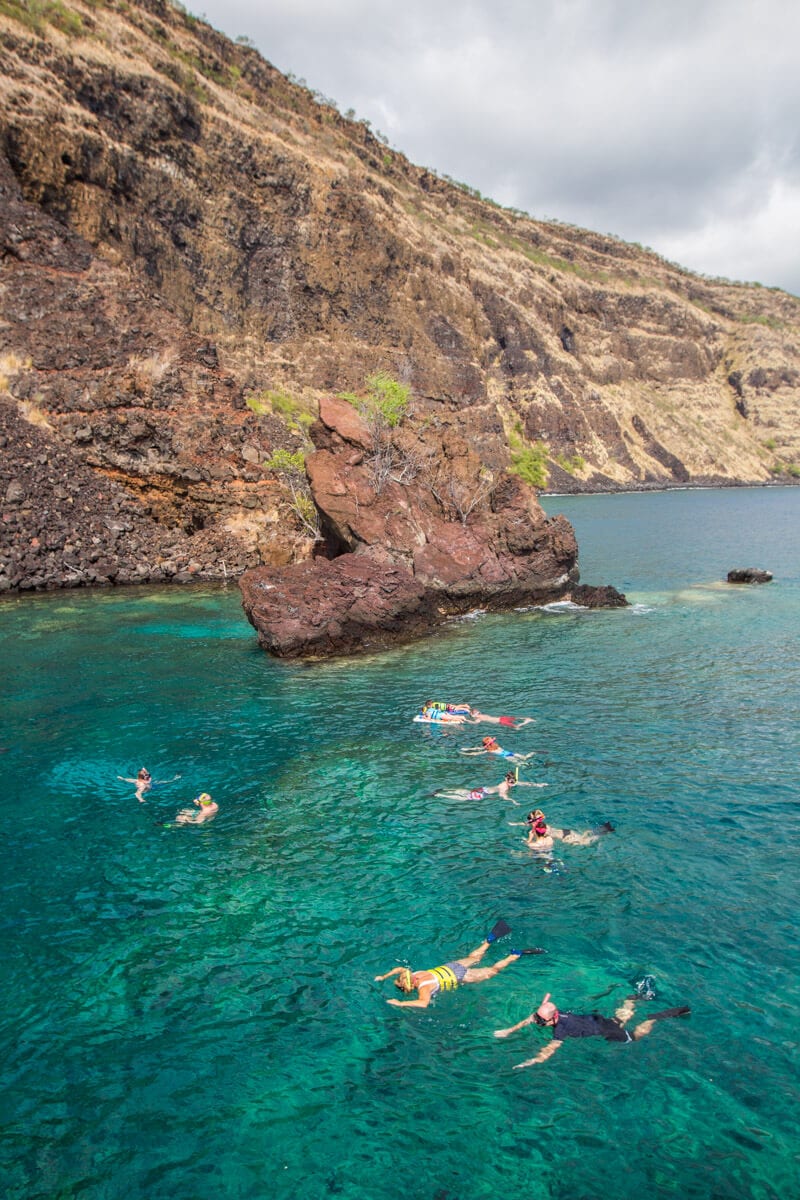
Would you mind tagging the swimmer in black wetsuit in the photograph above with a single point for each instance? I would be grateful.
(580, 1025)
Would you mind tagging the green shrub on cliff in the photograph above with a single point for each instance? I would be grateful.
(528, 461)
(570, 464)
(530, 464)
(385, 403)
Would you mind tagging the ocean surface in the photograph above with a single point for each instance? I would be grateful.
(191, 1012)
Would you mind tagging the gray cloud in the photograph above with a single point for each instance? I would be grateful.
(670, 124)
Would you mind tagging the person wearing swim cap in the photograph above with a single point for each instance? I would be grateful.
(582, 1025)
(451, 975)
(541, 835)
(207, 810)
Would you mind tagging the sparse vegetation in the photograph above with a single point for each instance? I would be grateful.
(35, 14)
(291, 469)
(385, 403)
(282, 405)
(571, 464)
(383, 407)
(528, 461)
(460, 498)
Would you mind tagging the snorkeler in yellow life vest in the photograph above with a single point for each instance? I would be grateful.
(446, 978)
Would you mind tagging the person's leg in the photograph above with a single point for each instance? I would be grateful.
(475, 956)
(625, 1011)
(642, 1030)
(478, 974)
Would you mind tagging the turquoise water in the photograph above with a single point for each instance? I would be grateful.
(191, 1013)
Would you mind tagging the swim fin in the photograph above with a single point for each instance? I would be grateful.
(683, 1011)
(606, 827)
(500, 930)
(531, 950)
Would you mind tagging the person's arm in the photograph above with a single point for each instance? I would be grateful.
(423, 1001)
(502, 1033)
(389, 974)
(545, 1053)
(473, 750)
(127, 779)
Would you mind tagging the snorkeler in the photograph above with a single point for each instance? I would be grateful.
(510, 722)
(489, 745)
(503, 789)
(473, 714)
(207, 810)
(440, 713)
(581, 1025)
(446, 978)
(541, 836)
(144, 782)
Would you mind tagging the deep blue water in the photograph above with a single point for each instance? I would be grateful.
(191, 1013)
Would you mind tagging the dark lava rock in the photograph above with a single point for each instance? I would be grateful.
(749, 575)
(597, 597)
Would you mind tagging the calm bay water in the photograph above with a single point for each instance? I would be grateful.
(191, 1013)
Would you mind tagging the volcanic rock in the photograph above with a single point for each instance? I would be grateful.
(420, 531)
(749, 575)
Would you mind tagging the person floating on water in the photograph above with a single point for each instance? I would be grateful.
(207, 810)
(473, 715)
(446, 978)
(482, 718)
(503, 789)
(144, 782)
(490, 745)
(441, 713)
(581, 1025)
(541, 836)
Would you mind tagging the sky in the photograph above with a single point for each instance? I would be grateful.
(671, 123)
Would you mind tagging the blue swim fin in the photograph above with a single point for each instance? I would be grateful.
(500, 929)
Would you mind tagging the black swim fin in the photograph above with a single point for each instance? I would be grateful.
(500, 930)
(606, 827)
(683, 1011)
(530, 950)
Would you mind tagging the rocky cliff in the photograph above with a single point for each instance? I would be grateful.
(195, 251)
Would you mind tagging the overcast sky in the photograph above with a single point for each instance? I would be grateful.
(673, 123)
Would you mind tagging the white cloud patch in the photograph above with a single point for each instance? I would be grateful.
(674, 125)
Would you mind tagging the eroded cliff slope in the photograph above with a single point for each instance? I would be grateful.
(195, 249)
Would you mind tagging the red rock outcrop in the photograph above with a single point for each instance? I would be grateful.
(421, 532)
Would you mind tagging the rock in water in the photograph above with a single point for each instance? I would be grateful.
(749, 575)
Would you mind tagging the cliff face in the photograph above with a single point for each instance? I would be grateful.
(194, 251)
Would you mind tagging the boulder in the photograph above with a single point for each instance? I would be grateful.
(749, 575)
(415, 530)
(324, 607)
(597, 597)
